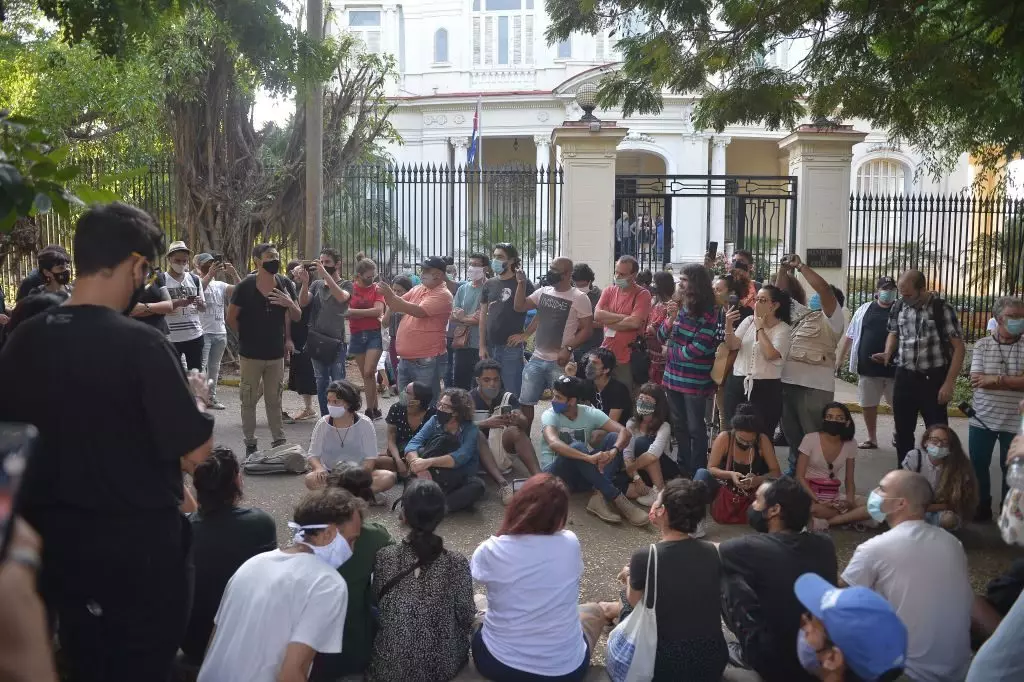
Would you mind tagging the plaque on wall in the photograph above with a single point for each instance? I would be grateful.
(824, 258)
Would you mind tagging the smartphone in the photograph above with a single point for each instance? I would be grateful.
(712, 250)
(517, 484)
(16, 441)
(733, 300)
(506, 410)
(218, 257)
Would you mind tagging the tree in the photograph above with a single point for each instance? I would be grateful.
(945, 76)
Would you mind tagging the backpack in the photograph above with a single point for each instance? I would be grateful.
(938, 316)
(284, 459)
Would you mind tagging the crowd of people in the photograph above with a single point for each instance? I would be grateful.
(665, 394)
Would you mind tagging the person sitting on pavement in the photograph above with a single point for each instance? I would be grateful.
(610, 395)
(565, 320)
(283, 607)
(758, 571)
(360, 619)
(742, 458)
(808, 377)
(405, 418)
(623, 311)
(494, 411)
(446, 451)
(864, 339)
(421, 341)
(565, 452)
(424, 595)
(941, 459)
(848, 635)
(824, 456)
(224, 536)
(997, 377)
(691, 645)
(345, 439)
(922, 571)
(648, 458)
(532, 569)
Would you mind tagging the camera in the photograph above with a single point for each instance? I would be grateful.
(218, 257)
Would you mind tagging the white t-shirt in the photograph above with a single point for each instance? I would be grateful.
(558, 319)
(750, 361)
(213, 317)
(184, 323)
(821, 377)
(352, 444)
(274, 599)
(532, 622)
(658, 446)
(922, 571)
(998, 408)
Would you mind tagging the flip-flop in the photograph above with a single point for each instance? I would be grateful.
(868, 445)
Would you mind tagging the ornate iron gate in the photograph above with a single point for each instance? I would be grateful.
(758, 213)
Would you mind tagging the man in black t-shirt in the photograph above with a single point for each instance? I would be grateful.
(606, 394)
(257, 313)
(489, 414)
(36, 278)
(758, 572)
(501, 327)
(104, 482)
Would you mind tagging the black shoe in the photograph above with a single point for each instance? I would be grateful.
(249, 449)
(286, 418)
(984, 513)
(278, 443)
(374, 414)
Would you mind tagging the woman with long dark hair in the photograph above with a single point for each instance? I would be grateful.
(648, 456)
(532, 569)
(690, 334)
(826, 459)
(664, 290)
(425, 597)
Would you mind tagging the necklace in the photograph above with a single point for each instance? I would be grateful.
(337, 431)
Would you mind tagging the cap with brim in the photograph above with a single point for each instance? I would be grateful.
(886, 282)
(203, 258)
(861, 623)
(435, 262)
(178, 246)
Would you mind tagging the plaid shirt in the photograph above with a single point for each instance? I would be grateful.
(920, 346)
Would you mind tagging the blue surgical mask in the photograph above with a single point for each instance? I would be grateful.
(814, 302)
(887, 296)
(937, 451)
(559, 407)
(806, 653)
(621, 283)
(498, 266)
(875, 506)
(1015, 325)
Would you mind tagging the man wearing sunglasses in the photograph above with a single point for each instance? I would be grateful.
(104, 482)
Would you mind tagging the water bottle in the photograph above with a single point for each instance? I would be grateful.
(1015, 472)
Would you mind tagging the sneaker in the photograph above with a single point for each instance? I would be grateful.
(278, 443)
(286, 418)
(736, 655)
(702, 529)
(632, 513)
(216, 405)
(598, 506)
(250, 448)
(819, 525)
(648, 499)
(505, 493)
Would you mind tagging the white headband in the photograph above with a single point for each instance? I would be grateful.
(300, 531)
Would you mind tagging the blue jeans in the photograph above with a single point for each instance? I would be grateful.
(326, 372)
(1002, 656)
(511, 360)
(423, 370)
(691, 430)
(980, 443)
(214, 346)
(537, 375)
(583, 476)
(710, 481)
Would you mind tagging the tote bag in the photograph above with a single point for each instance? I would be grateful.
(633, 644)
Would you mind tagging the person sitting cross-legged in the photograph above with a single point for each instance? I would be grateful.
(825, 456)
(565, 452)
(494, 412)
(405, 419)
(649, 460)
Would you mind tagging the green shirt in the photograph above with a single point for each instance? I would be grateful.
(357, 643)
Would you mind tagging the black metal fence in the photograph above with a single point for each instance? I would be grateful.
(969, 247)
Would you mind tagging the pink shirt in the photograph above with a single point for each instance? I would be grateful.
(632, 302)
(424, 337)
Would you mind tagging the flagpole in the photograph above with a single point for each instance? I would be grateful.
(480, 158)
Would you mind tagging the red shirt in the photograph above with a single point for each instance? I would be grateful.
(364, 298)
(632, 302)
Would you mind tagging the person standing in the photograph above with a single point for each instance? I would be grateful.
(564, 321)
(623, 235)
(664, 291)
(184, 322)
(623, 311)
(465, 321)
(329, 297)
(864, 339)
(104, 482)
(259, 307)
(742, 269)
(55, 271)
(501, 326)
(997, 377)
(401, 285)
(215, 334)
(925, 332)
(301, 379)
(421, 342)
(52, 253)
(366, 307)
(659, 227)
(690, 335)
(583, 279)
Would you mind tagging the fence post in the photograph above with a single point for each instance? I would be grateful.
(588, 214)
(820, 158)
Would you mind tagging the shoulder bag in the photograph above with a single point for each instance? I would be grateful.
(633, 644)
(730, 503)
(639, 360)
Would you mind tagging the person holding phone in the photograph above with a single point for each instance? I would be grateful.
(185, 323)
(215, 334)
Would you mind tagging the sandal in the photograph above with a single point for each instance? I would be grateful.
(868, 445)
(305, 415)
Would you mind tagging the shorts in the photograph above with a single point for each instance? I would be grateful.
(538, 375)
(870, 391)
(364, 341)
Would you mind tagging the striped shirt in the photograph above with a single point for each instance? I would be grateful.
(690, 344)
(997, 408)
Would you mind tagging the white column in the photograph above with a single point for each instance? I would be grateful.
(460, 192)
(389, 31)
(544, 178)
(716, 230)
(690, 213)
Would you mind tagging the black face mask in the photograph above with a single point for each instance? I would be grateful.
(554, 277)
(757, 520)
(62, 277)
(740, 265)
(135, 297)
(443, 417)
(272, 266)
(833, 428)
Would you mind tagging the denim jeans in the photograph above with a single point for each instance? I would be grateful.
(691, 431)
(214, 346)
(1002, 656)
(980, 443)
(423, 370)
(582, 476)
(326, 372)
(537, 375)
(710, 481)
(511, 360)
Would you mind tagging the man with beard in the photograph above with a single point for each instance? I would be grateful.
(742, 272)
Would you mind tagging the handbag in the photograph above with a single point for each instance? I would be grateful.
(719, 371)
(321, 347)
(633, 644)
(639, 361)
(730, 504)
(460, 337)
(825, 489)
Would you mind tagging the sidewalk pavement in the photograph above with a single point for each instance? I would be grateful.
(846, 393)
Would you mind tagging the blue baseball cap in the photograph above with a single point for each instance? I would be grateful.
(860, 622)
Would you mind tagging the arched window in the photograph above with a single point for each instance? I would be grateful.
(441, 46)
(882, 177)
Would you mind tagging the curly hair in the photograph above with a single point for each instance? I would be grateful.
(329, 505)
(700, 297)
(685, 501)
(462, 403)
(958, 485)
(365, 265)
(746, 418)
(356, 480)
(216, 481)
(347, 393)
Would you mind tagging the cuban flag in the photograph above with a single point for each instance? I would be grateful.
(474, 142)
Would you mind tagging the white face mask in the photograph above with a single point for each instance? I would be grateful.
(334, 553)
(179, 268)
(476, 273)
(336, 411)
